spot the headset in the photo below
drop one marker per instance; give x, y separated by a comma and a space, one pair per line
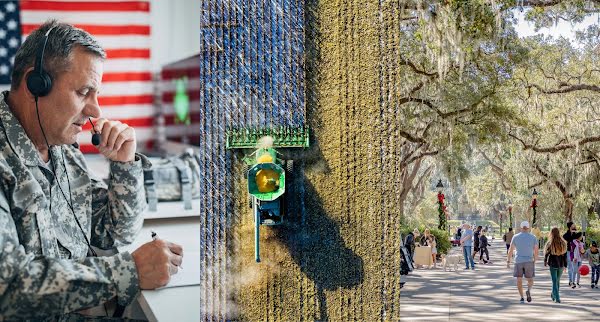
39, 82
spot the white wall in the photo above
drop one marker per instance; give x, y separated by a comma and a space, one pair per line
175, 28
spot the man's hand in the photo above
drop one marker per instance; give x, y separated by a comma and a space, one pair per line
117, 141
156, 261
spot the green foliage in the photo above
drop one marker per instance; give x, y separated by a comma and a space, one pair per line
592, 232
443, 240
441, 236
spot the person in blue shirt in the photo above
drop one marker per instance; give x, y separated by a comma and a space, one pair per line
526, 246
466, 241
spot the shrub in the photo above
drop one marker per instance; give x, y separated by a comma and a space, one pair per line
441, 236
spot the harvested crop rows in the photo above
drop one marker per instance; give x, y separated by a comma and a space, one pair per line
336, 258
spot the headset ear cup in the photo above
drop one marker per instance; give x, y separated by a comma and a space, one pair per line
39, 84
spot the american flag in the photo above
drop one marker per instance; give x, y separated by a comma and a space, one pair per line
123, 30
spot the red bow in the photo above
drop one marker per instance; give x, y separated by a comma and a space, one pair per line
440, 197
533, 203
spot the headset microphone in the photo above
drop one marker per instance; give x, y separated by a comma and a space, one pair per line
96, 135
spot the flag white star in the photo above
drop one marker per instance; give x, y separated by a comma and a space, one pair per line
2, 33
11, 24
10, 7
3, 69
12, 60
13, 42
1, 15
3, 52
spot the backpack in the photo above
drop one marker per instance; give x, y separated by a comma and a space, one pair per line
504, 237
173, 178
409, 240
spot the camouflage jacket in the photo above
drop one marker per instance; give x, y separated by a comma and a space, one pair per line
44, 270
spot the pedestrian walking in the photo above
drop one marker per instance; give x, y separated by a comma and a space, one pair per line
508, 238
526, 246
483, 245
555, 256
593, 256
577, 249
476, 241
568, 237
466, 243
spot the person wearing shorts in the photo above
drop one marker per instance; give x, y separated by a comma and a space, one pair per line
526, 246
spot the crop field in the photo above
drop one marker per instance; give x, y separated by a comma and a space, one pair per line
337, 255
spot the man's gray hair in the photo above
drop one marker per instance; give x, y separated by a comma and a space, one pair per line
62, 40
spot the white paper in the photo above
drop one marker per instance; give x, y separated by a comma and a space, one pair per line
189, 274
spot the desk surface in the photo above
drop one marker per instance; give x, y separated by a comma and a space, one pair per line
173, 223
177, 303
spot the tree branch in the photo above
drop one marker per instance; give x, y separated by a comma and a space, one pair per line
404, 62
537, 184
566, 88
412, 138
557, 147
558, 184
499, 171
419, 156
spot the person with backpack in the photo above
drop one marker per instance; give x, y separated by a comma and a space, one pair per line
508, 238
483, 245
409, 243
577, 249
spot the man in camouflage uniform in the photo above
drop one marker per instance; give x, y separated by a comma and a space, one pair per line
47, 193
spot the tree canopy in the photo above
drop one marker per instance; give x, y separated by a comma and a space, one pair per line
495, 114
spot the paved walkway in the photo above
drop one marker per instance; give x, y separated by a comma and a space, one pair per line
490, 294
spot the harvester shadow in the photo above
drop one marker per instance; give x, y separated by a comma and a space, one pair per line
314, 242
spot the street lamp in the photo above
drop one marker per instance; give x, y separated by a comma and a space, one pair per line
441, 212
500, 221
510, 217
534, 206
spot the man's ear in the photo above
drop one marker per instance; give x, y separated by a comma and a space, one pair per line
28, 72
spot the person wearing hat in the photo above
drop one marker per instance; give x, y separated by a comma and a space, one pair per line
593, 255
526, 246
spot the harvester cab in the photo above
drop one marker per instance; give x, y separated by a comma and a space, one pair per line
266, 172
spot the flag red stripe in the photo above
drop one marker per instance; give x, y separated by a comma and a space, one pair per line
177, 73
194, 117
192, 94
96, 30
127, 53
129, 76
125, 100
84, 6
88, 148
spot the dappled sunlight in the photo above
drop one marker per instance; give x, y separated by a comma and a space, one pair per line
491, 290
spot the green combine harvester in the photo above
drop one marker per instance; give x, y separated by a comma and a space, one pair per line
266, 173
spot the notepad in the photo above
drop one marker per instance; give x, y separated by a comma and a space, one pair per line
189, 274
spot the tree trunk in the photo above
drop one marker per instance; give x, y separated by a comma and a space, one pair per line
568, 209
